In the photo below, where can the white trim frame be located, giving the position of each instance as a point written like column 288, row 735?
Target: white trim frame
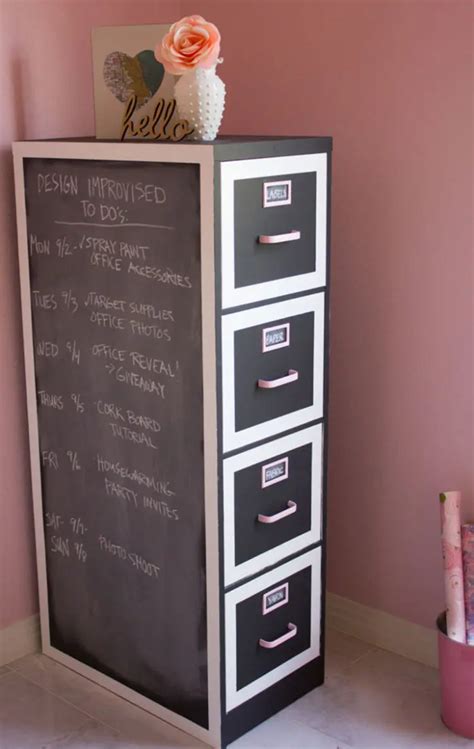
column 234, row 572
column 234, row 696
column 141, row 152
column 233, row 439
column 232, row 171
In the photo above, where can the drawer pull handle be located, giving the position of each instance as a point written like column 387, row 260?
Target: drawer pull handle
column 290, row 236
column 292, row 631
column 292, row 376
column 292, row 507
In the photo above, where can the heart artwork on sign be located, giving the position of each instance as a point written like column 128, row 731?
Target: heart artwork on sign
column 139, row 76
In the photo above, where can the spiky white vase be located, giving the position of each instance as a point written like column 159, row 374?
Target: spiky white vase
column 200, row 98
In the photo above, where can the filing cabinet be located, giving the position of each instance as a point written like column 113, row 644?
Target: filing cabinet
column 202, row 599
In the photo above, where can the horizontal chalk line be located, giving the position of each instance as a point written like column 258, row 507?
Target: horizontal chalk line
column 113, row 226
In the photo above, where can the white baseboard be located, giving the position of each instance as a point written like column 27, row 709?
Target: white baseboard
column 383, row 630
column 19, row 639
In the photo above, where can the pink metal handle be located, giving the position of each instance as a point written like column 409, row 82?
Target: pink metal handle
column 292, row 631
column 290, row 236
column 291, row 508
column 292, row 376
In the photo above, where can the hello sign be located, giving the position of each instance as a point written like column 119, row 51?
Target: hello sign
column 157, row 126
column 133, row 94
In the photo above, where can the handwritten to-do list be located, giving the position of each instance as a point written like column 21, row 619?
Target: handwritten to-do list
column 114, row 255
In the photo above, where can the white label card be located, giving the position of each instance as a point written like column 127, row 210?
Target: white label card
column 276, row 193
column 274, row 472
column 275, row 337
column 275, row 598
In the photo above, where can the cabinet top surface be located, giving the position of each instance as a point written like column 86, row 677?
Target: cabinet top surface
column 225, row 148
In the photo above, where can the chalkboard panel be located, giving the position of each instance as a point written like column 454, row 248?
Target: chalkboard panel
column 114, row 250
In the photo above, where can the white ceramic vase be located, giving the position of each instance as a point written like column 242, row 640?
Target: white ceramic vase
column 200, row 98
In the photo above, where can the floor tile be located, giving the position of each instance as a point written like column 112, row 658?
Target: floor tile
column 382, row 700
column 342, row 651
column 280, row 732
column 372, row 699
column 31, row 718
column 135, row 726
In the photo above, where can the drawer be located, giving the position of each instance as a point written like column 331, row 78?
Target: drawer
column 272, row 369
column 273, row 227
column 272, row 627
column 272, row 502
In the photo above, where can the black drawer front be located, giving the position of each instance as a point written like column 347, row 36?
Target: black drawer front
column 255, row 405
column 256, row 262
column 253, row 660
column 253, row 537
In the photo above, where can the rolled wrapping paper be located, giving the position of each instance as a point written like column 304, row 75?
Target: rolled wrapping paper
column 467, row 539
column 450, row 503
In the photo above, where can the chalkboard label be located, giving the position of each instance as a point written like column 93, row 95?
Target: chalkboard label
column 274, row 472
column 115, row 272
column 276, row 193
column 274, row 599
column 276, row 337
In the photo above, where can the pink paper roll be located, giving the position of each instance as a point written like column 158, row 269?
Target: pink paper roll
column 467, row 538
column 450, row 503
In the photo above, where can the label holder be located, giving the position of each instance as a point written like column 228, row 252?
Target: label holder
column 282, row 477
column 272, row 202
column 267, row 608
column 281, row 344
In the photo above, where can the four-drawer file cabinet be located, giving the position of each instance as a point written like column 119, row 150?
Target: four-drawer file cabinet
column 175, row 312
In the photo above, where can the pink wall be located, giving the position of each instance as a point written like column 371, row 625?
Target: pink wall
column 46, row 91
column 392, row 83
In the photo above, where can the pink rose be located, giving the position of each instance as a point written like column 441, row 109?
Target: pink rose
column 190, row 43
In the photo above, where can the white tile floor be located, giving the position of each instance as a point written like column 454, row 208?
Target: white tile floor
column 371, row 700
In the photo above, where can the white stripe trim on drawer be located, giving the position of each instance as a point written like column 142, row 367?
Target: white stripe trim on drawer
column 233, row 439
column 231, row 171
column 234, row 696
column 234, row 572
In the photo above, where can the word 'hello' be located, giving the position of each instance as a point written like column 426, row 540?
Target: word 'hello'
column 155, row 126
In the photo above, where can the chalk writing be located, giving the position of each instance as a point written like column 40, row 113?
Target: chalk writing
column 49, row 459
column 69, row 301
column 120, row 414
column 160, row 506
column 139, row 438
column 77, row 526
column 121, row 552
column 64, row 184
column 145, row 384
column 50, row 400
column 74, row 352
column 60, row 545
column 160, row 275
column 113, row 489
column 78, row 402
column 129, row 192
column 48, row 349
column 157, row 485
column 39, row 248
column 53, row 520
column 149, row 311
column 74, row 460
column 44, row 301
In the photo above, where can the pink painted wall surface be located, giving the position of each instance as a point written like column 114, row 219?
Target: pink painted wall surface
column 46, row 91
column 392, row 82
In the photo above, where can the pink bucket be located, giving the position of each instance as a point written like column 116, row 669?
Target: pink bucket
column 456, row 672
